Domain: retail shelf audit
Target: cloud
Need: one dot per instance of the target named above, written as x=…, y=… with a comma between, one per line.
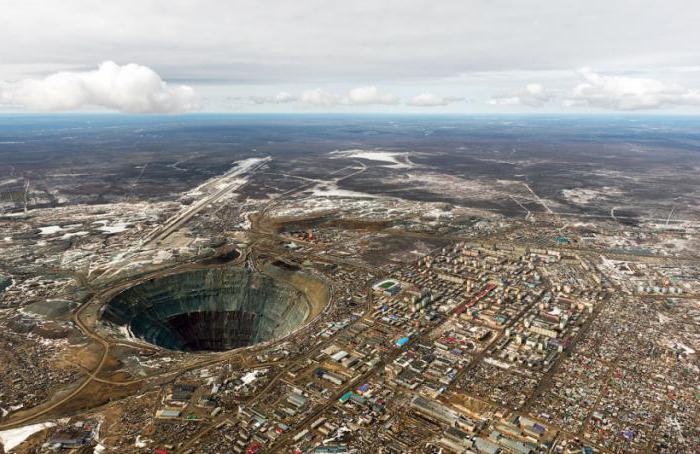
x=533, y=95
x=628, y=93
x=340, y=42
x=360, y=96
x=430, y=100
x=129, y=88
x=370, y=95
x=319, y=97
x=282, y=97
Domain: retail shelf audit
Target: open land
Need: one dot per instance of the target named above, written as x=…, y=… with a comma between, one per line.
x=402, y=284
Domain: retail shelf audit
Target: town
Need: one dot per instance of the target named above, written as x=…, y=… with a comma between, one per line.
x=510, y=338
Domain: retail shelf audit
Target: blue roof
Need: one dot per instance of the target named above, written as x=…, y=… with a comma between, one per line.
x=401, y=341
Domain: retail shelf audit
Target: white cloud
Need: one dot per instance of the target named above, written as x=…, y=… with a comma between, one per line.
x=628, y=93
x=336, y=43
x=129, y=88
x=319, y=97
x=370, y=95
x=282, y=97
x=429, y=100
x=533, y=95
x=473, y=49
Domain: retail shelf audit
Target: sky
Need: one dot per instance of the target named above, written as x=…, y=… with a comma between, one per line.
x=394, y=56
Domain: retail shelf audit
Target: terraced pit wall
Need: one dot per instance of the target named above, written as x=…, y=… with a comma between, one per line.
x=218, y=308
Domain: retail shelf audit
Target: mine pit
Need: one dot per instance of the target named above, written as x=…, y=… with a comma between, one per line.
x=210, y=309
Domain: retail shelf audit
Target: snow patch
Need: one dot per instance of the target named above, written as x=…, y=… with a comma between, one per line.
x=390, y=157
x=117, y=227
x=141, y=443
x=72, y=234
x=12, y=438
x=328, y=189
x=50, y=230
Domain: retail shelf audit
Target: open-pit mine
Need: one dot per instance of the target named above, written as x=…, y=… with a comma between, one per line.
x=211, y=309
